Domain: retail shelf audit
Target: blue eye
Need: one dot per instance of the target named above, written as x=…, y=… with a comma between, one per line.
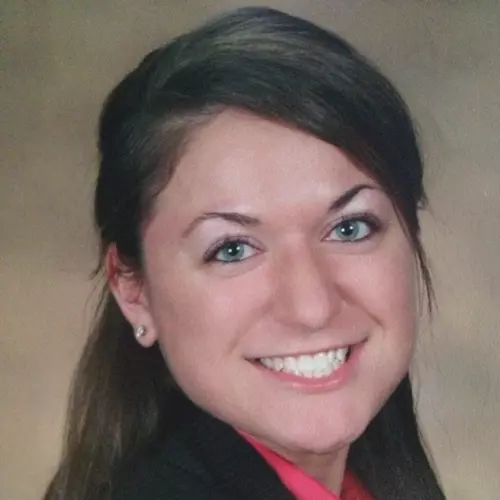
x=231, y=251
x=352, y=230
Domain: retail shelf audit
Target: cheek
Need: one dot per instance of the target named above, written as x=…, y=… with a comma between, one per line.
x=400, y=287
x=204, y=319
x=384, y=285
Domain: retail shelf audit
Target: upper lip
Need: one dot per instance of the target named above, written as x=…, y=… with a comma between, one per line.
x=310, y=352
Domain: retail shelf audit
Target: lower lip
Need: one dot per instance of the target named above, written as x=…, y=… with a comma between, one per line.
x=336, y=379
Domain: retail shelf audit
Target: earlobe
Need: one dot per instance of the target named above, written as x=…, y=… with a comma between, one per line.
x=126, y=285
x=143, y=336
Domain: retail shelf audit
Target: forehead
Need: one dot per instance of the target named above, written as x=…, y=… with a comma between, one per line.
x=244, y=160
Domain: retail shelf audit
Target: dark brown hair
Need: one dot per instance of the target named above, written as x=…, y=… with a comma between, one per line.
x=283, y=69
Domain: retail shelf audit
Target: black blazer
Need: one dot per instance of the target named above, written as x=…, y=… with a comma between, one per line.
x=203, y=458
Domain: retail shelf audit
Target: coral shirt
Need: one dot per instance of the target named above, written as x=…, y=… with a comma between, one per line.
x=304, y=487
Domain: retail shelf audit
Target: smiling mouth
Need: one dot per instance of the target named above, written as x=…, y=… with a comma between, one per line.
x=318, y=365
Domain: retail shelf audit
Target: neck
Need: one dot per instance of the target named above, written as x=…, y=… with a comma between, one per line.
x=328, y=468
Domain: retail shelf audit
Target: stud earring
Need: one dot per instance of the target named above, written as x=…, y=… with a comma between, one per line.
x=139, y=331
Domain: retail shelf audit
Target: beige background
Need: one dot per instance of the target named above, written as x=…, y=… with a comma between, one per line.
x=59, y=60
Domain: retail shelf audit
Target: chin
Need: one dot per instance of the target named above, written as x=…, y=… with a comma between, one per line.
x=319, y=437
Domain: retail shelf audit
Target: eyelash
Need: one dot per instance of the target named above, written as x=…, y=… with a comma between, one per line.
x=209, y=255
x=373, y=222
x=369, y=219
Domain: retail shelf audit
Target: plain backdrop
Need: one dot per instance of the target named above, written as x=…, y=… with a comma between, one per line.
x=59, y=60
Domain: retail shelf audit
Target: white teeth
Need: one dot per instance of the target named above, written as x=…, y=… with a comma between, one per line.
x=290, y=365
x=305, y=365
x=268, y=362
x=342, y=354
x=277, y=364
x=317, y=366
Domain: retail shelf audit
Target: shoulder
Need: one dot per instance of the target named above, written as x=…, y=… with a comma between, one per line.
x=201, y=458
x=173, y=468
x=171, y=474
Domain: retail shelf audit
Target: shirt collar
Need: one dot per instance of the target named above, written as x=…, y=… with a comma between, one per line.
x=303, y=486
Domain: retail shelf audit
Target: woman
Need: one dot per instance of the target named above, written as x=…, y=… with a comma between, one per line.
x=257, y=206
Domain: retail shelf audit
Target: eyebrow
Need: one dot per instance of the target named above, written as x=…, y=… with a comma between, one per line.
x=234, y=217
x=345, y=198
x=247, y=220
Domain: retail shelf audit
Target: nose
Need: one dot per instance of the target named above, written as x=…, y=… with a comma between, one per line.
x=306, y=292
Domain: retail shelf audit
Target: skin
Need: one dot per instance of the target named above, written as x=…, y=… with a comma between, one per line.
x=299, y=289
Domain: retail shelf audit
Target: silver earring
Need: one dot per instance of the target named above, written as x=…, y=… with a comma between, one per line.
x=139, y=331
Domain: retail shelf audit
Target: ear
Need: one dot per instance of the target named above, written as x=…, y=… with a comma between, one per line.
x=127, y=287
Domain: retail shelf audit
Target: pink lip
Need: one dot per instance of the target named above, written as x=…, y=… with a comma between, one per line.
x=335, y=380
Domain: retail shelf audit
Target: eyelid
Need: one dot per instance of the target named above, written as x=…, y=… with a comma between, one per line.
x=373, y=221
x=369, y=218
x=211, y=252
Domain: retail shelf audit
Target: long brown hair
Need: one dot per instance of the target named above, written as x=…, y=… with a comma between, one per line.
x=281, y=68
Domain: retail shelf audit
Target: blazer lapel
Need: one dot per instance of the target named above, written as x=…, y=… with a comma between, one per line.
x=235, y=466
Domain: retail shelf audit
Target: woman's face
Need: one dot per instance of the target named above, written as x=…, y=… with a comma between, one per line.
x=279, y=284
